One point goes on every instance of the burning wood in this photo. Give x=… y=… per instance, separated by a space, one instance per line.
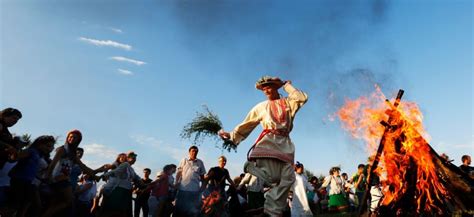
x=416 y=180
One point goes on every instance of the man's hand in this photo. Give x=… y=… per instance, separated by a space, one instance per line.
x=223 y=134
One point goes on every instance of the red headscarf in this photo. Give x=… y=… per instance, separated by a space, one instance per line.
x=77 y=132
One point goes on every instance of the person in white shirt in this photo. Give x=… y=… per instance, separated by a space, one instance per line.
x=255 y=194
x=191 y=172
x=272 y=155
x=117 y=199
x=337 y=199
x=300 y=203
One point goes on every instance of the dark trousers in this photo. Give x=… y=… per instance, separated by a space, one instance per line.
x=141 y=204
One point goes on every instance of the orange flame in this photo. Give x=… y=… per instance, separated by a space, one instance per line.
x=405 y=153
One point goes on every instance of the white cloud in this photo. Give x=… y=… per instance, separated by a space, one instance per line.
x=96 y=155
x=109 y=43
x=116 y=30
x=100 y=150
x=124 y=72
x=125 y=59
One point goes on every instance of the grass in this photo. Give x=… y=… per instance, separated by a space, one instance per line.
x=205 y=124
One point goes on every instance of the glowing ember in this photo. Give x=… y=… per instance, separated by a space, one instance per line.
x=406 y=162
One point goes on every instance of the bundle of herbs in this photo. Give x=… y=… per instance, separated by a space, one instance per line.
x=206 y=124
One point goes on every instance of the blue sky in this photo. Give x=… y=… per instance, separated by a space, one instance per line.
x=131 y=74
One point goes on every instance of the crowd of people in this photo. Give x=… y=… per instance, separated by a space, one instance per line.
x=36 y=182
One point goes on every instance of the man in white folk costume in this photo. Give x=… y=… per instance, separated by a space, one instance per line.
x=272 y=156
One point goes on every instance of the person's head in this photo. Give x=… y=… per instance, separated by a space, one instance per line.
x=299 y=167
x=269 y=86
x=344 y=176
x=121 y=158
x=193 y=152
x=131 y=157
x=222 y=161
x=79 y=152
x=10 y=116
x=74 y=137
x=146 y=173
x=314 y=181
x=466 y=160
x=360 y=168
x=271 y=91
x=87 y=177
x=334 y=171
x=169 y=169
x=44 y=144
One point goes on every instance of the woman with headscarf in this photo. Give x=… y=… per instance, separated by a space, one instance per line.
x=59 y=173
x=117 y=194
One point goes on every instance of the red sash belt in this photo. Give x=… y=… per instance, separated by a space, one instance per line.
x=279 y=132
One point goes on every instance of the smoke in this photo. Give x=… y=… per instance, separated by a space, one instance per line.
x=320 y=45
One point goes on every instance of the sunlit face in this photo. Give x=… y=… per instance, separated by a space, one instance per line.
x=271 y=92
x=11 y=120
x=123 y=158
x=468 y=161
x=299 y=170
x=193 y=154
x=222 y=162
x=72 y=139
x=336 y=173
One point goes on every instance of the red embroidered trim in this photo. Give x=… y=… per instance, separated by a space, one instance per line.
x=277 y=115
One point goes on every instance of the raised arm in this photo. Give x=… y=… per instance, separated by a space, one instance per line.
x=296 y=98
x=245 y=180
x=326 y=182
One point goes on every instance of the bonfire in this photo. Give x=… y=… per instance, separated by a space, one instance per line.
x=416 y=181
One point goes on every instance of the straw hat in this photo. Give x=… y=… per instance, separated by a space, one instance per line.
x=267 y=80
